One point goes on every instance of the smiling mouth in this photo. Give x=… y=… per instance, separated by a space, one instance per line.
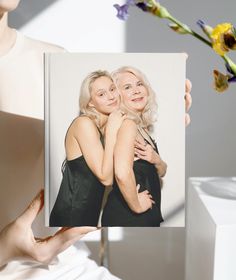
x=113 y=103
x=137 y=99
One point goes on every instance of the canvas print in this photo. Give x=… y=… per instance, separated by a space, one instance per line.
x=115 y=139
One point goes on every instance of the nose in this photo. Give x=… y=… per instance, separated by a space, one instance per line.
x=110 y=95
x=136 y=90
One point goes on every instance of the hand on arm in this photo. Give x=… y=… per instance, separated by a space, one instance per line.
x=17 y=240
x=123 y=160
x=145 y=200
x=146 y=152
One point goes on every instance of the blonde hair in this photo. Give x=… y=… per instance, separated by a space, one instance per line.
x=148 y=115
x=85 y=95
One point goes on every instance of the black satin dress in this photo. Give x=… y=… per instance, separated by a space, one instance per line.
x=80 y=196
x=117 y=212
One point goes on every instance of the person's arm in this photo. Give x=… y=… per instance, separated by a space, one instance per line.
x=17 y=240
x=123 y=163
x=146 y=152
x=99 y=160
x=160 y=165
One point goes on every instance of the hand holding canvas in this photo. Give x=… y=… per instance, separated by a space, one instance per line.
x=17 y=240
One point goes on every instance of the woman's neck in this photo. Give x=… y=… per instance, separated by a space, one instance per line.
x=135 y=112
x=7 y=35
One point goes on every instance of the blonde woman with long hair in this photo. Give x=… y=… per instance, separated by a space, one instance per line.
x=124 y=206
x=89 y=161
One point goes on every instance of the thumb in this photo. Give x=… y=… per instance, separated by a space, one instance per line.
x=188 y=85
x=187 y=119
x=138 y=188
x=33 y=209
x=65 y=237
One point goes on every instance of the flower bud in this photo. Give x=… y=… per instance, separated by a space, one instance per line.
x=207 y=29
x=179 y=29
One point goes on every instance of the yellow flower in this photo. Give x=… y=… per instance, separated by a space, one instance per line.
x=219 y=35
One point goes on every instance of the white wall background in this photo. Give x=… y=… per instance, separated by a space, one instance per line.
x=86 y=26
x=66 y=73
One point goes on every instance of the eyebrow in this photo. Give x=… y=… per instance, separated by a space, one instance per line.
x=127 y=83
x=99 y=90
x=130 y=83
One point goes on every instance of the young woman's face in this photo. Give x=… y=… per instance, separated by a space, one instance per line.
x=134 y=94
x=104 y=95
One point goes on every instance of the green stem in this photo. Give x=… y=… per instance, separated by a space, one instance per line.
x=231 y=64
x=201 y=38
x=190 y=31
x=225 y=58
x=198 y=36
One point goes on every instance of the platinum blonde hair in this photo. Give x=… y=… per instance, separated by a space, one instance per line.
x=148 y=115
x=85 y=95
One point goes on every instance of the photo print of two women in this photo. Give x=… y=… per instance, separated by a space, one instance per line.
x=115 y=139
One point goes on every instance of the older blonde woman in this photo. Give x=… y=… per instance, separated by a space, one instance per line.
x=124 y=207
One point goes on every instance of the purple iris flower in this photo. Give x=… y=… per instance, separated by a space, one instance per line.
x=122 y=11
x=143 y=6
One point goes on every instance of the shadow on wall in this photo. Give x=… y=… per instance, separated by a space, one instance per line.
x=27 y=10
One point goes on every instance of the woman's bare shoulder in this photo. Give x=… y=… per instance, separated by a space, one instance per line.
x=129 y=124
x=128 y=129
x=83 y=120
x=83 y=124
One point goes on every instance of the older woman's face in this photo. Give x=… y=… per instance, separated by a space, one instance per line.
x=134 y=94
x=104 y=95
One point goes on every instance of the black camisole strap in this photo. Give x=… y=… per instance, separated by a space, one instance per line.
x=101 y=139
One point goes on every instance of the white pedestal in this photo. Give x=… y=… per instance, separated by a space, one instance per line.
x=211 y=229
